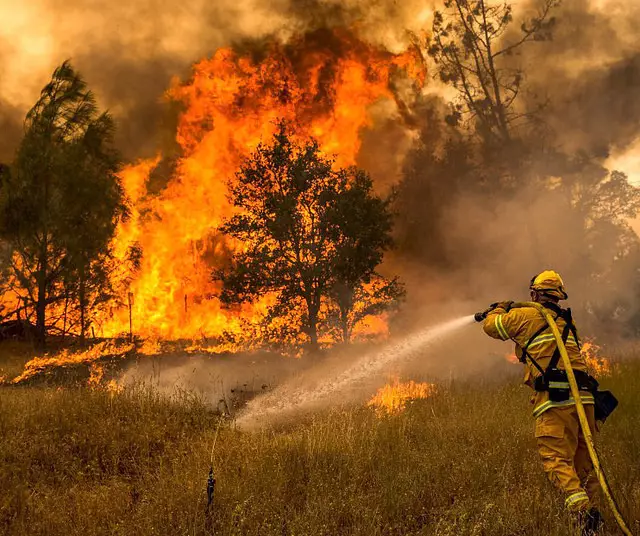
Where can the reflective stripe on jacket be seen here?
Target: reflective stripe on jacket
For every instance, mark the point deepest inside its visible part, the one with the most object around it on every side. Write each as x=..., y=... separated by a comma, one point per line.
x=519, y=325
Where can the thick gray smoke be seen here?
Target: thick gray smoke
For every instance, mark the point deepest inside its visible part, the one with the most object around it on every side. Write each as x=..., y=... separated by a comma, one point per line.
x=590, y=73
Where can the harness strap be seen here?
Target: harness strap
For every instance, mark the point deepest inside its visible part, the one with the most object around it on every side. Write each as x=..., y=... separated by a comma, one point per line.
x=556, y=355
x=569, y=327
x=526, y=355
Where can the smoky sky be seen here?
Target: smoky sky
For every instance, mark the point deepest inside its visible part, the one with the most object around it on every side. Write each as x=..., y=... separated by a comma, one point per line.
x=589, y=75
x=129, y=52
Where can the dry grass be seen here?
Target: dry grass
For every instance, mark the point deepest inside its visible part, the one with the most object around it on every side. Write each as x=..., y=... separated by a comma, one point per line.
x=76, y=461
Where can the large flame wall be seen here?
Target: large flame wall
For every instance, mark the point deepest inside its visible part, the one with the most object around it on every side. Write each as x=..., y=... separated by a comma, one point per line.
x=324, y=87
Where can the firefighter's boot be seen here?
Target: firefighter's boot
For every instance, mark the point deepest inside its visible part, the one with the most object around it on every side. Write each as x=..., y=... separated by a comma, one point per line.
x=590, y=522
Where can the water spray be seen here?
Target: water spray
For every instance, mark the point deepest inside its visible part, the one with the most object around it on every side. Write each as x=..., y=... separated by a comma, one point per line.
x=575, y=393
x=290, y=397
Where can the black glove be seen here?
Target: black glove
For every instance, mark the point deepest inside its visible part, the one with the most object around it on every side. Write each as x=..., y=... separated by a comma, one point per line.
x=506, y=305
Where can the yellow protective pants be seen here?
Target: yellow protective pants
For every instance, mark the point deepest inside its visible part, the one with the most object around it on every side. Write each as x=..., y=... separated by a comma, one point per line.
x=565, y=457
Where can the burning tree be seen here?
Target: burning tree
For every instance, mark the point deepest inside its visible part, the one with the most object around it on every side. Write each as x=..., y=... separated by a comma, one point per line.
x=60, y=203
x=311, y=235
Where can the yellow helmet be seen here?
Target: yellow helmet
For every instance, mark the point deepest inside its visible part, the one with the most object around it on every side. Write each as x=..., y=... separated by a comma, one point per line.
x=550, y=283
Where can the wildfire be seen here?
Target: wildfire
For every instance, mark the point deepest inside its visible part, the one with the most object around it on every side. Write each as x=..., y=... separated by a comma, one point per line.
x=96, y=372
x=598, y=366
x=323, y=85
x=394, y=396
x=113, y=387
x=66, y=358
x=150, y=347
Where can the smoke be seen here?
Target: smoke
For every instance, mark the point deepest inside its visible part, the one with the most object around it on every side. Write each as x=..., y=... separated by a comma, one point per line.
x=590, y=74
x=466, y=247
x=129, y=53
x=224, y=382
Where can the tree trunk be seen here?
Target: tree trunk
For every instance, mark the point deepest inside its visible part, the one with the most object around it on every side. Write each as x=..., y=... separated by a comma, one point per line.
x=344, y=320
x=345, y=303
x=82, y=309
x=313, y=329
x=64, y=318
x=83, y=305
x=41, y=306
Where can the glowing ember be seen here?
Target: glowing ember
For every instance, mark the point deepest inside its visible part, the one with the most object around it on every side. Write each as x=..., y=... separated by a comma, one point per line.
x=598, y=366
x=323, y=86
x=394, y=397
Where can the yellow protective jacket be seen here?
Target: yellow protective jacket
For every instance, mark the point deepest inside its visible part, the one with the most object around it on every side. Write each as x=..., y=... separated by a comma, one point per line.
x=520, y=325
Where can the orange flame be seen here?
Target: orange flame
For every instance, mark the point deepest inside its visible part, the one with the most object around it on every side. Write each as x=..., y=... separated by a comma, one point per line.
x=597, y=365
x=394, y=396
x=512, y=358
x=231, y=104
x=96, y=373
x=66, y=358
x=113, y=388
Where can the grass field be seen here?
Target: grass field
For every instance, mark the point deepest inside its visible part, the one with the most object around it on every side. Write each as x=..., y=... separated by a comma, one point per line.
x=81, y=461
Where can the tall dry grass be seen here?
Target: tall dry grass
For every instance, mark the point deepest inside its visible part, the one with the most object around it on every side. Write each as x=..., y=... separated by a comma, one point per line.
x=76, y=461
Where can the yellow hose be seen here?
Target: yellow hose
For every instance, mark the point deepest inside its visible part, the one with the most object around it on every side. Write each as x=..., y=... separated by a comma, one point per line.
x=584, y=424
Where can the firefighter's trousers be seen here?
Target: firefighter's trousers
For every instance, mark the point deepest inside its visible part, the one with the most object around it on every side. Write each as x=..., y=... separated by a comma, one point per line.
x=565, y=458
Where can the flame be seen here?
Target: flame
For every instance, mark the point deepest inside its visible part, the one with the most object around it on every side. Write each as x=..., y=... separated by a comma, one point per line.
x=231, y=104
x=96, y=373
x=394, y=396
x=150, y=347
x=113, y=387
x=66, y=358
x=597, y=365
x=512, y=358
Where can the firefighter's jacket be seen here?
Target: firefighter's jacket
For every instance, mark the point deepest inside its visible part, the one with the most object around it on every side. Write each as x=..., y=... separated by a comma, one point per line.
x=519, y=325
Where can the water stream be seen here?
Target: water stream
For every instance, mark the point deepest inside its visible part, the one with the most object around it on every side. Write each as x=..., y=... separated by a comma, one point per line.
x=292, y=396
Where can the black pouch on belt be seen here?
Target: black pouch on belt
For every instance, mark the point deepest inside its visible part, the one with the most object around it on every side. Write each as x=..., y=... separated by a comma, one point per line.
x=557, y=384
x=553, y=379
x=605, y=403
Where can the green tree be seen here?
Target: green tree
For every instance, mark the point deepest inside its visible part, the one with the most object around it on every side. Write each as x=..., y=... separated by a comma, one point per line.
x=311, y=235
x=61, y=202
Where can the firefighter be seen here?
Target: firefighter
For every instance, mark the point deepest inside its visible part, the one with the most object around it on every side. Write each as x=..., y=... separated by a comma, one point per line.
x=560, y=441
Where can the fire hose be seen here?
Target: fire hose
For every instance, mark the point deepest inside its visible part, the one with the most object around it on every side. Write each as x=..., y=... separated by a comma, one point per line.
x=575, y=393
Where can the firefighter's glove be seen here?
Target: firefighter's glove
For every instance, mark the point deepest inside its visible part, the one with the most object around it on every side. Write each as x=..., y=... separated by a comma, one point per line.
x=506, y=305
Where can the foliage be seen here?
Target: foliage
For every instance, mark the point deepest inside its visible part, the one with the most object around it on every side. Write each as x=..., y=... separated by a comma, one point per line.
x=471, y=46
x=309, y=234
x=499, y=157
x=61, y=202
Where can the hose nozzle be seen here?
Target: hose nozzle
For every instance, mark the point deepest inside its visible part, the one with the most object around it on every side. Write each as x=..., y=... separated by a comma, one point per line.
x=480, y=317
